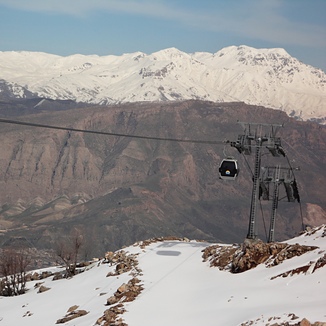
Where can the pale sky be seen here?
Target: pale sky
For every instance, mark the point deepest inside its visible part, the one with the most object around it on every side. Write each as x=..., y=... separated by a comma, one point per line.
x=106, y=27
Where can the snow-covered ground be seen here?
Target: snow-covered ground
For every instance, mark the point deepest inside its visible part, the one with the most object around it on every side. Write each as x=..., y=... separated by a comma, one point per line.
x=180, y=289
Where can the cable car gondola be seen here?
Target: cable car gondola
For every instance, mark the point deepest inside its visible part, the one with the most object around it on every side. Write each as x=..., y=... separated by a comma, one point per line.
x=228, y=169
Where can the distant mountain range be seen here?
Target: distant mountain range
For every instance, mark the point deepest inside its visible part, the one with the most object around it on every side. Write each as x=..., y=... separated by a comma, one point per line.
x=265, y=77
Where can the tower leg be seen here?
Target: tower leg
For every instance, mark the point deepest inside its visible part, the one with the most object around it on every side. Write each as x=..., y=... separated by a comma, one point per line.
x=255, y=192
x=274, y=205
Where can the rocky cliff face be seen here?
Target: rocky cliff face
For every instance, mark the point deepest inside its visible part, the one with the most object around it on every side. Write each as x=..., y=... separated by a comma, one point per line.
x=120, y=190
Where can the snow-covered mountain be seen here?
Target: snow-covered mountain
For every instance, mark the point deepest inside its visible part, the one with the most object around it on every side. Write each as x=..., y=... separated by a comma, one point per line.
x=267, y=77
x=169, y=282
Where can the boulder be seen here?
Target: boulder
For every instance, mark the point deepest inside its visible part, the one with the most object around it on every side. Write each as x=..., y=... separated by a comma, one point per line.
x=72, y=315
x=72, y=308
x=112, y=300
x=43, y=289
x=123, y=288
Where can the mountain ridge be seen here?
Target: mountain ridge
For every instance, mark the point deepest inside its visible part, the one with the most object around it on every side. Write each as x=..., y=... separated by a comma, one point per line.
x=267, y=77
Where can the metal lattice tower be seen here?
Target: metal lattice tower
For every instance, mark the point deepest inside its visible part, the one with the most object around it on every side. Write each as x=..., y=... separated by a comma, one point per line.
x=257, y=135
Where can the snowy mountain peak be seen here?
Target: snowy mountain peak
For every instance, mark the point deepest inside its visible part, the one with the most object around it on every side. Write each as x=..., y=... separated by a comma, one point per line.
x=266, y=77
x=253, y=51
x=275, y=58
x=247, y=51
x=170, y=54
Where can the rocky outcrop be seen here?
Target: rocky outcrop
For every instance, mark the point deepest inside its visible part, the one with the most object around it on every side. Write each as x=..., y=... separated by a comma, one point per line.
x=126, y=292
x=124, y=262
x=240, y=258
x=72, y=313
x=311, y=266
x=293, y=321
x=43, y=288
x=143, y=244
x=110, y=316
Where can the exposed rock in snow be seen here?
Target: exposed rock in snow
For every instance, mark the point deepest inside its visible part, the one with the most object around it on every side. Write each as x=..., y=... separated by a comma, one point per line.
x=242, y=258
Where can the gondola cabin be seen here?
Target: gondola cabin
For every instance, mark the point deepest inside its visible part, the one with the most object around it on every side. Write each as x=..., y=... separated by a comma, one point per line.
x=228, y=169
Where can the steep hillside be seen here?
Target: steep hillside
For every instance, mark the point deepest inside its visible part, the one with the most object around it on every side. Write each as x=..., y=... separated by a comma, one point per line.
x=120, y=190
x=267, y=77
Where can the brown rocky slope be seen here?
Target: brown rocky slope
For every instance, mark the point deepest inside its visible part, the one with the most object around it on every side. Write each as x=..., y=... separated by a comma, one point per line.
x=120, y=190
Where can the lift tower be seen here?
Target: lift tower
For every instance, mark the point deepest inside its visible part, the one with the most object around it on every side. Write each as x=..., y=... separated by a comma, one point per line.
x=257, y=135
x=277, y=176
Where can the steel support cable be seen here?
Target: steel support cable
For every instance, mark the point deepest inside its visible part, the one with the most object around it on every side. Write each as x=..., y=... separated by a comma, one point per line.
x=248, y=165
x=263, y=217
x=299, y=201
x=194, y=141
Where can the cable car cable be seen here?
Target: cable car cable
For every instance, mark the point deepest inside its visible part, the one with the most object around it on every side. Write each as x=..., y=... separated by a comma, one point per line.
x=248, y=165
x=298, y=199
x=211, y=142
x=292, y=169
x=263, y=217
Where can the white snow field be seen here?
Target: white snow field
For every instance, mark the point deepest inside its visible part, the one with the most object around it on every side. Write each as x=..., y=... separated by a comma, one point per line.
x=180, y=289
